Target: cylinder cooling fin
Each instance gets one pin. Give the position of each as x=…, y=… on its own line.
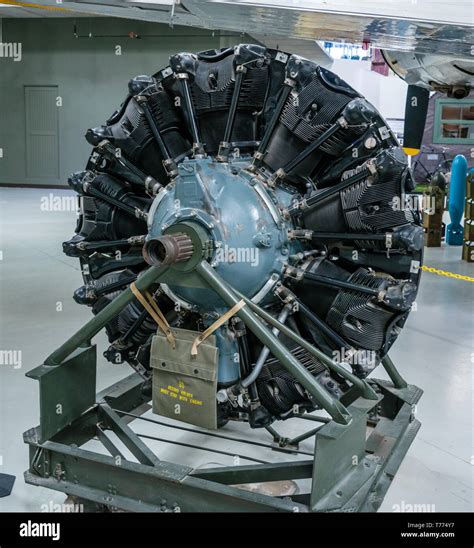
x=297, y=186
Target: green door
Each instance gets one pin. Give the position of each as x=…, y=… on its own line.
x=42, y=134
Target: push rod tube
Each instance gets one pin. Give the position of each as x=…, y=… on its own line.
x=292, y=164
x=142, y=101
x=284, y=94
x=133, y=211
x=324, y=280
x=315, y=199
x=197, y=145
x=241, y=70
x=322, y=326
x=109, y=151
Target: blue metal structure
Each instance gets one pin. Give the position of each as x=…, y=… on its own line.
x=457, y=196
x=237, y=212
x=243, y=217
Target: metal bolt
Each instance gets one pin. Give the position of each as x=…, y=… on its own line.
x=222, y=396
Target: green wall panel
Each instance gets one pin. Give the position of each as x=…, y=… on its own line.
x=91, y=79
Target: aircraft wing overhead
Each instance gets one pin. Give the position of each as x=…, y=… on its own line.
x=421, y=26
x=429, y=43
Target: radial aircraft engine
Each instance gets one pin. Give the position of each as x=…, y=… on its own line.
x=291, y=188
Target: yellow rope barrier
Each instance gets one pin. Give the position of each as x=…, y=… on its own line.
x=447, y=274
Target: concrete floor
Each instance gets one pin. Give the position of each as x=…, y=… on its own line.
x=434, y=351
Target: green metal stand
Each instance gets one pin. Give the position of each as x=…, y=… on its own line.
x=349, y=471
